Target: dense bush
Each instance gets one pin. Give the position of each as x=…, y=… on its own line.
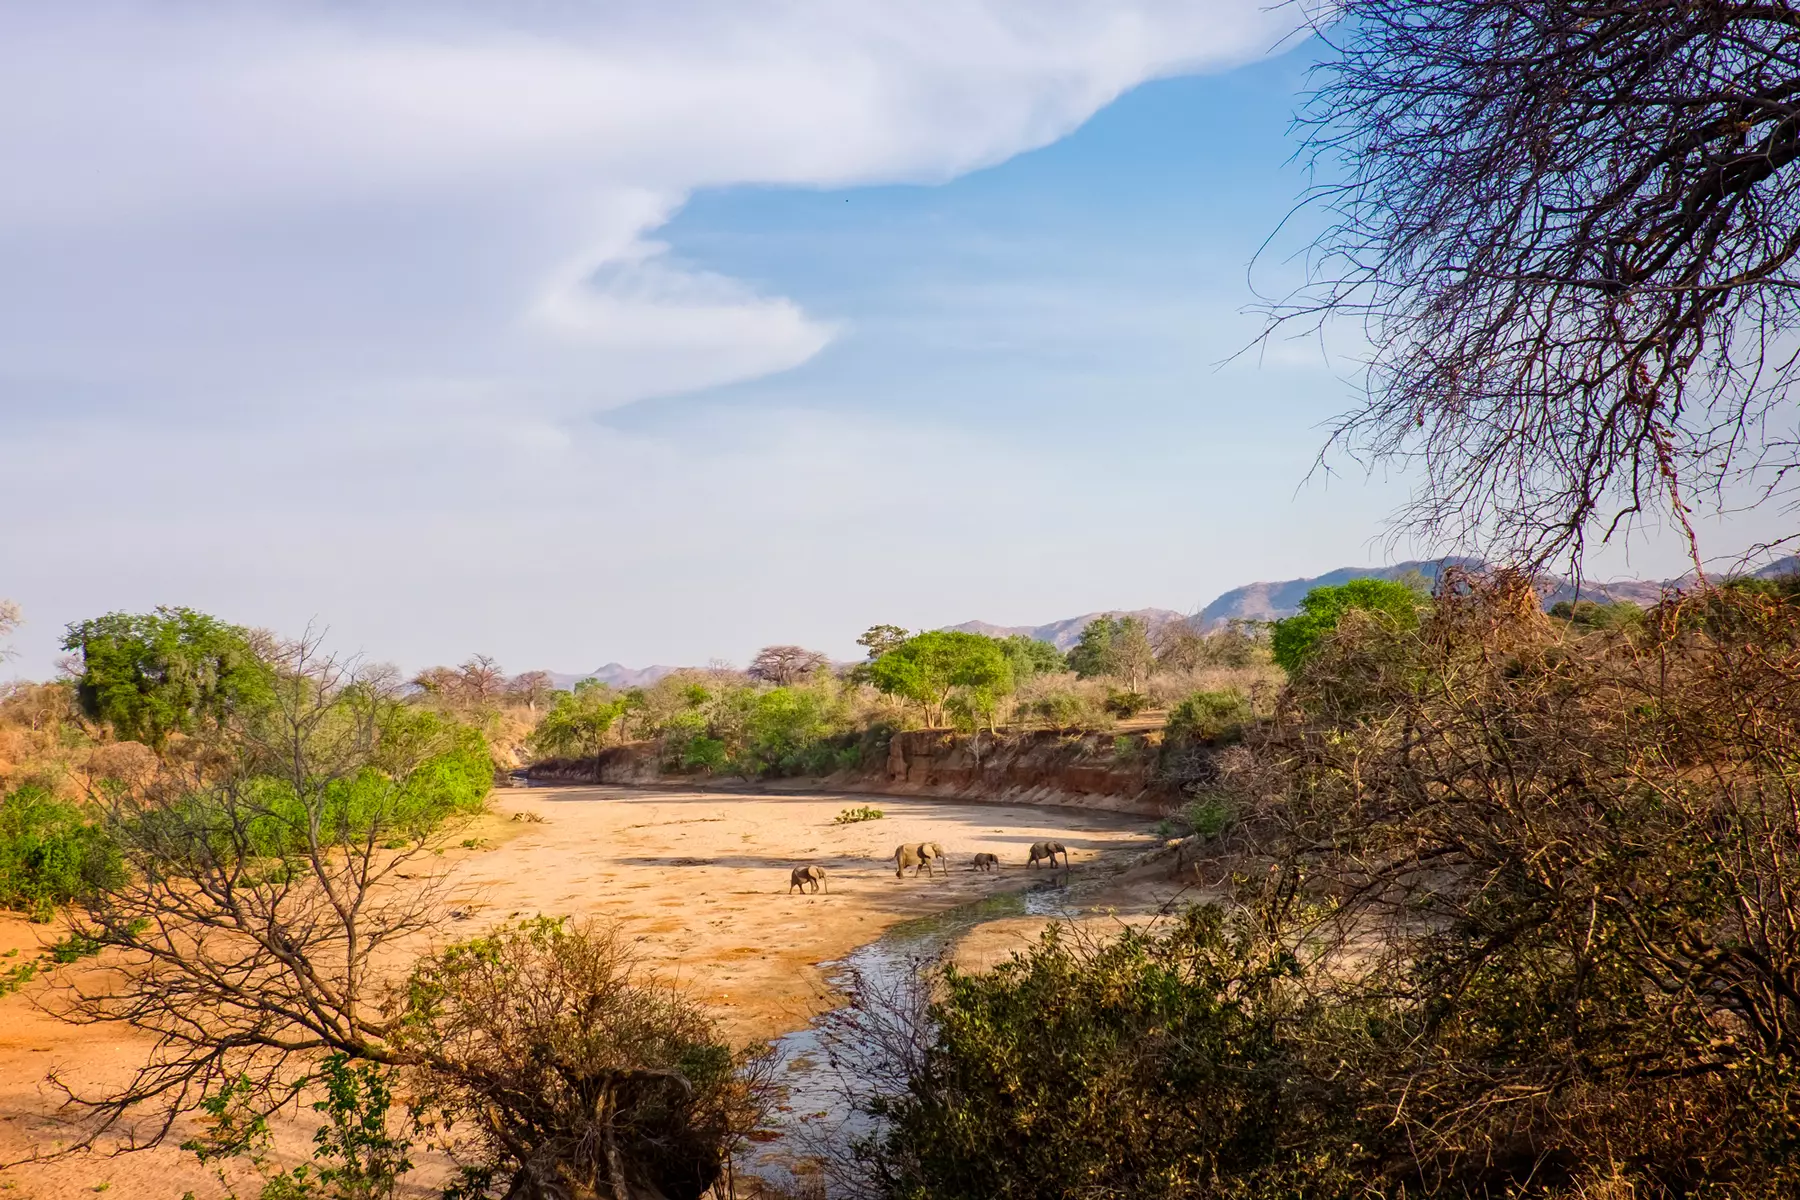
x=1158, y=1064
x=1126, y=704
x=1294, y=639
x=51, y=852
x=1208, y=717
x=561, y=1070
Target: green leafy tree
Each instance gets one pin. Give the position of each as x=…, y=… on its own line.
x=1030, y=657
x=927, y=667
x=1295, y=638
x=1114, y=647
x=577, y=723
x=879, y=639
x=175, y=670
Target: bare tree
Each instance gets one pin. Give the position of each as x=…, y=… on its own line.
x=10, y=619
x=531, y=688
x=259, y=892
x=482, y=681
x=1569, y=230
x=782, y=665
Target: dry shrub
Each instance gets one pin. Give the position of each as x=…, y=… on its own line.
x=1561, y=869
x=565, y=1071
x=1262, y=683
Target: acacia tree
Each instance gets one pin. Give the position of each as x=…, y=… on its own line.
x=1569, y=231
x=784, y=665
x=1114, y=646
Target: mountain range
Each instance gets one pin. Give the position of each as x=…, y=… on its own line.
x=1253, y=602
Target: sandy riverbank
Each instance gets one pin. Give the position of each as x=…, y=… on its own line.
x=697, y=879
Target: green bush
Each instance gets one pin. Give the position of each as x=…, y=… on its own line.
x=863, y=812
x=1126, y=704
x=1157, y=1065
x=1208, y=717
x=50, y=852
x=1294, y=639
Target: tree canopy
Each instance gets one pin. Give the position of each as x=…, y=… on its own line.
x=1118, y=647
x=1566, y=230
x=929, y=666
x=152, y=674
x=1029, y=657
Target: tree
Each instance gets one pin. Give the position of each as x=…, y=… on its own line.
x=1295, y=638
x=1030, y=657
x=784, y=665
x=531, y=689
x=10, y=619
x=482, y=681
x=259, y=890
x=577, y=723
x=171, y=671
x=1566, y=230
x=879, y=639
x=1114, y=647
x=928, y=666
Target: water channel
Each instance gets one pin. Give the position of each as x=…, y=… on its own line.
x=816, y=1113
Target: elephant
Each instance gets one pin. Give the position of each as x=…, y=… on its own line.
x=909, y=856
x=934, y=853
x=987, y=862
x=1048, y=850
x=805, y=875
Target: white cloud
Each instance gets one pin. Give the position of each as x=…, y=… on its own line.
x=406, y=190
x=303, y=301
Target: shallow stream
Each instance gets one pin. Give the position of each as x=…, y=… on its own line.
x=816, y=1113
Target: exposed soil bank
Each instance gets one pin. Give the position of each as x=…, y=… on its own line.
x=1111, y=773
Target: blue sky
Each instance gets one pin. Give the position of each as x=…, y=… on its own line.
x=653, y=333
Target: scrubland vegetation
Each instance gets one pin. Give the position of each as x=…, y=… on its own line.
x=1501, y=903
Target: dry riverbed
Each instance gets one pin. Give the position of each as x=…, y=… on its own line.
x=698, y=880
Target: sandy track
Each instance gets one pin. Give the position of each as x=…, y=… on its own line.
x=697, y=879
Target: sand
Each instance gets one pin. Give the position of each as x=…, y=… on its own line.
x=697, y=880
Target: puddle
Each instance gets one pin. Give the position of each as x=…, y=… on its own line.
x=818, y=1114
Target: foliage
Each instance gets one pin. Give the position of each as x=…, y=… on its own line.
x=1294, y=639
x=51, y=852
x=788, y=731
x=785, y=665
x=1208, y=717
x=1114, y=647
x=577, y=722
x=1575, y=857
x=1065, y=709
x=879, y=639
x=569, y=1072
x=927, y=667
x=171, y=671
x=1589, y=614
x=861, y=812
x=258, y=888
x=1183, y=646
x=1163, y=1063
x=1126, y=704
x=356, y=1155
x=1030, y=657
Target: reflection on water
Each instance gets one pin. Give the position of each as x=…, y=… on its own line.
x=815, y=1107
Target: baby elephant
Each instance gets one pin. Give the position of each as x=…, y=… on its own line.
x=1048, y=850
x=805, y=875
x=987, y=862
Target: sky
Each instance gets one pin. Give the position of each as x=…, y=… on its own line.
x=575, y=332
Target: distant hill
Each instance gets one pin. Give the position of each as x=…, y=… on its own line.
x=1252, y=602
x=1267, y=601
x=1065, y=633
x=614, y=675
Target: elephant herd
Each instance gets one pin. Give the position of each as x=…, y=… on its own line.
x=927, y=857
